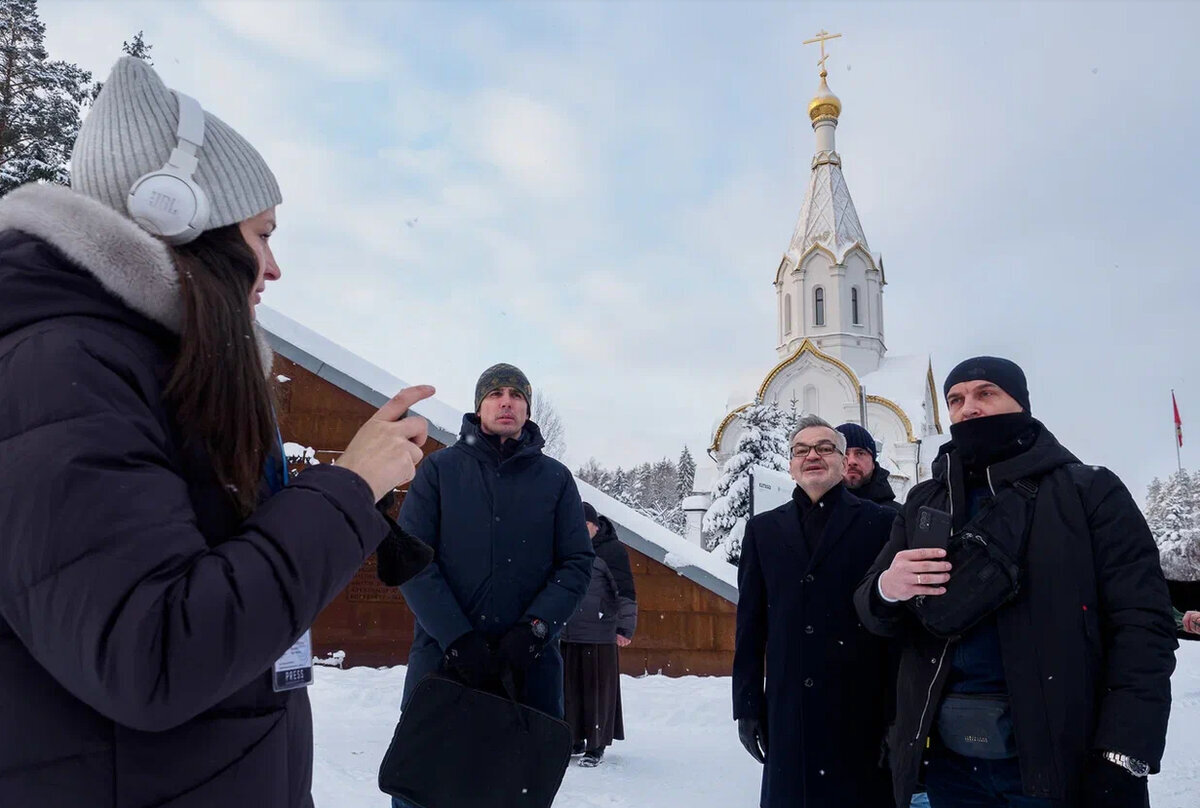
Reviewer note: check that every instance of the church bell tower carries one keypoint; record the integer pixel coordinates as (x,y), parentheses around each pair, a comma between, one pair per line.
(829,284)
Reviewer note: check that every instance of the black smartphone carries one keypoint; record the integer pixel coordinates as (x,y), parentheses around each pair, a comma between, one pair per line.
(933,528)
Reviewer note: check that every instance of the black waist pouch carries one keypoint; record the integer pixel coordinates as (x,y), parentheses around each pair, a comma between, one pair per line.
(985,558)
(977,726)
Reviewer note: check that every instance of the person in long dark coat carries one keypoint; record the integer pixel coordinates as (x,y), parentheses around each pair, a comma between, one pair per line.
(819,722)
(513,554)
(155,562)
(605,621)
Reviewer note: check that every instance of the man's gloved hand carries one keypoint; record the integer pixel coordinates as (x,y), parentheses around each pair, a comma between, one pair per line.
(470,660)
(753,734)
(1107,785)
(522,645)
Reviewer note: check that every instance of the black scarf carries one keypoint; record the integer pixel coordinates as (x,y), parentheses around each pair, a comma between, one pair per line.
(815,515)
(982,442)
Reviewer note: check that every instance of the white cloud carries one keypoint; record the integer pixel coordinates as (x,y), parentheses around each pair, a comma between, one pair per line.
(306,31)
(535,145)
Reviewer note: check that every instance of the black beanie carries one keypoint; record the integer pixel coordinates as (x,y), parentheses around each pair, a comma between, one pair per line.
(858,438)
(589,514)
(1004,373)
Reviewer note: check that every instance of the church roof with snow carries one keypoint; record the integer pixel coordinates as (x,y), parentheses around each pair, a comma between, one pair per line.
(906,380)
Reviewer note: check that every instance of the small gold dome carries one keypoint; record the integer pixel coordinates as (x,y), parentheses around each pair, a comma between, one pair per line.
(825,105)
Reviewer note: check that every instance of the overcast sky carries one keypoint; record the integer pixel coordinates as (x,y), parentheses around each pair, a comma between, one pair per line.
(600,192)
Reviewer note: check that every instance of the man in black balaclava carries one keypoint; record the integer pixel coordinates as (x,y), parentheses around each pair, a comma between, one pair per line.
(1060,696)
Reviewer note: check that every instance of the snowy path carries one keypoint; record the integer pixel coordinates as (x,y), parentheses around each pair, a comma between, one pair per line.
(682,750)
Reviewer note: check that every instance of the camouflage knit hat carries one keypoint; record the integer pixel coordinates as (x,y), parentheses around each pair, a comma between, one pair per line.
(503,375)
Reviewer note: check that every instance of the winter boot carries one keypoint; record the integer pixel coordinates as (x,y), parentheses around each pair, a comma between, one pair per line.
(579,747)
(591,758)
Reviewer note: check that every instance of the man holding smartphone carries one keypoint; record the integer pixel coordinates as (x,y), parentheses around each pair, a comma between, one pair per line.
(1055,690)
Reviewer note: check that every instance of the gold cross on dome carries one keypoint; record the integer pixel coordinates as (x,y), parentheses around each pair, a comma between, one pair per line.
(822,36)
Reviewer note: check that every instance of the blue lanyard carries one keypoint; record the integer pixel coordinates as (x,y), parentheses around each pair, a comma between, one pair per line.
(276,470)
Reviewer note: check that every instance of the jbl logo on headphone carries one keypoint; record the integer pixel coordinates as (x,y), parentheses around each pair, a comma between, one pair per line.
(163,202)
(168,202)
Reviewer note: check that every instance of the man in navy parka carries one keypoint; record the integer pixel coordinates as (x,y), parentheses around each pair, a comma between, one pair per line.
(513,553)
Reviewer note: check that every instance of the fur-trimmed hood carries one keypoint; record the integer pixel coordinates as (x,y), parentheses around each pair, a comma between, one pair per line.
(130,264)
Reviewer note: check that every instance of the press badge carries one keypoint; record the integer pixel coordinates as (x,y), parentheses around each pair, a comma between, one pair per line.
(294,668)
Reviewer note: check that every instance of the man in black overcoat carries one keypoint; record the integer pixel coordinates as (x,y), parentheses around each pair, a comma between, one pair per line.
(818,722)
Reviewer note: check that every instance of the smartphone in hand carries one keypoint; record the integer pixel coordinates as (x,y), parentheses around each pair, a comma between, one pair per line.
(933,529)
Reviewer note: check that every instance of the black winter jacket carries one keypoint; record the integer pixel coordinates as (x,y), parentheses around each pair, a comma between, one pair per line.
(610,606)
(878,490)
(139,616)
(1088,644)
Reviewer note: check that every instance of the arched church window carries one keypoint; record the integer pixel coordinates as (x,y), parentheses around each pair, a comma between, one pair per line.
(787,314)
(819,306)
(811,404)
(854,306)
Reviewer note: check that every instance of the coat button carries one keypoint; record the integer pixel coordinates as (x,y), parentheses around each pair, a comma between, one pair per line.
(808,682)
(808,579)
(497,518)
(808,629)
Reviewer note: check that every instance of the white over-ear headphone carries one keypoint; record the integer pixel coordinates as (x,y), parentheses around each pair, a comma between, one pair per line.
(168,202)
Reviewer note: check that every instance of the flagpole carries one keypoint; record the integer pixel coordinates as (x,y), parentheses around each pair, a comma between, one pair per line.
(1175,431)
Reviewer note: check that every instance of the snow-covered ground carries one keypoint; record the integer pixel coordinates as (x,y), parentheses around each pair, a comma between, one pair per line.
(682,750)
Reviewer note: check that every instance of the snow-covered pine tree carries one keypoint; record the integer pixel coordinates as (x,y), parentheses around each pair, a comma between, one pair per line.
(39,101)
(1174,519)
(685,481)
(137,48)
(619,486)
(763,442)
(593,474)
(686,469)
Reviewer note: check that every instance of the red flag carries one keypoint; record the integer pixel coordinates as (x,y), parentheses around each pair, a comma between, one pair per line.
(1178,423)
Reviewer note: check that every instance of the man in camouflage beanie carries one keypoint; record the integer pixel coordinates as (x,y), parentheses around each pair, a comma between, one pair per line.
(500,376)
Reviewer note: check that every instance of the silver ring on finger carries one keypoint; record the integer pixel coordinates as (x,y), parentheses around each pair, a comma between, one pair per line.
(919,580)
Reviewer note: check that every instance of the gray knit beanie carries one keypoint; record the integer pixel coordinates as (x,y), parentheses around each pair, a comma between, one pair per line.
(131,130)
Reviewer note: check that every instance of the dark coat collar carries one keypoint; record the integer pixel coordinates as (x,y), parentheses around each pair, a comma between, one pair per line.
(472,440)
(846,508)
(877,489)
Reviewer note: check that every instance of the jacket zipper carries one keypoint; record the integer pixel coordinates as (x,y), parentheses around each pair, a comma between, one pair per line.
(946,647)
(929,693)
(950,491)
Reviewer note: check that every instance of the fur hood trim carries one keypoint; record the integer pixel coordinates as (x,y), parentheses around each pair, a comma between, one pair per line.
(126,260)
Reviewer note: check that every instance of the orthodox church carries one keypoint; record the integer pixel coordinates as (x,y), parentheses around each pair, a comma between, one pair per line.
(832,354)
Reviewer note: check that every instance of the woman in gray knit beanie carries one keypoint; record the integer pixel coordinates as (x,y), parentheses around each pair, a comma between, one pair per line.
(159,570)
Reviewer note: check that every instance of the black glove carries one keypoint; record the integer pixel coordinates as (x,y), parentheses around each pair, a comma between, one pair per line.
(1107,785)
(753,735)
(470,660)
(400,556)
(521,646)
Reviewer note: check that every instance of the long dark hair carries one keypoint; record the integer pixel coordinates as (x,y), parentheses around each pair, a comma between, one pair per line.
(219,387)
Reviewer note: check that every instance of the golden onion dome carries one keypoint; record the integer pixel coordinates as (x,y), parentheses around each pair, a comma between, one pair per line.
(825,105)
